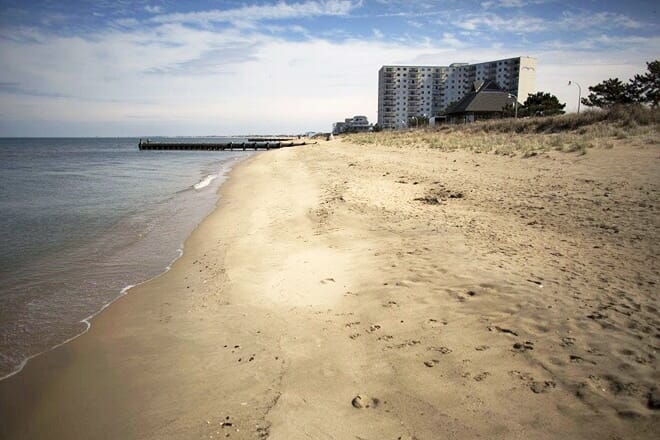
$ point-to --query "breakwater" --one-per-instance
(219, 146)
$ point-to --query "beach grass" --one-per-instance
(526, 137)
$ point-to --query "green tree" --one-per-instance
(646, 88)
(609, 93)
(509, 111)
(377, 127)
(541, 104)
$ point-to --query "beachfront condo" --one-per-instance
(356, 124)
(406, 92)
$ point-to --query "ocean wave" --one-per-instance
(205, 181)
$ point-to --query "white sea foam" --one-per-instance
(205, 182)
(88, 321)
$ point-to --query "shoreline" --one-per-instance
(338, 290)
(204, 182)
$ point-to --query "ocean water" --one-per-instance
(81, 220)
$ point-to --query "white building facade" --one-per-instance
(405, 92)
(356, 124)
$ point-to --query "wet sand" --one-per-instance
(343, 291)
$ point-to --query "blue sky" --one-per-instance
(122, 68)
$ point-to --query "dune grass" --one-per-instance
(529, 136)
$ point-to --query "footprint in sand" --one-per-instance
(263, 432)
(539, 387)
(502, 330)
(567, 341)
(372, 328)
(440, 349)
(481, 376)
(575, 359)
(362, 401)
(432, 323)
(653, 399)
(431, 363)
(328, 280)
(523, 346)
(521, 375)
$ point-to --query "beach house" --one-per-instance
(485, 101)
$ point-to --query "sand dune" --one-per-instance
(343, 291)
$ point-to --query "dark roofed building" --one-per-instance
(486, 101)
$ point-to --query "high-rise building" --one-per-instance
(405, 92)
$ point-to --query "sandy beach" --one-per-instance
(344, 291)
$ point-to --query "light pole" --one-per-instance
(579, 93)
(515, 106)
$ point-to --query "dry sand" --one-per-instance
(346, 292)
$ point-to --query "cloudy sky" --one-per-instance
(135, 68)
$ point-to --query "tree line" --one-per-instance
(641, 89)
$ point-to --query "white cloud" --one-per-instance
(603, 42)
(568, 21)
(518, 24)
(503, 4)
(580, 21)
(153, 9)
(175, 79)
(277, 11)
(510, 3)
(181, 79)
(450, 40)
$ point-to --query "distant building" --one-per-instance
(405, 92)
(338, 127)
(485, 101)
(355, 124)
